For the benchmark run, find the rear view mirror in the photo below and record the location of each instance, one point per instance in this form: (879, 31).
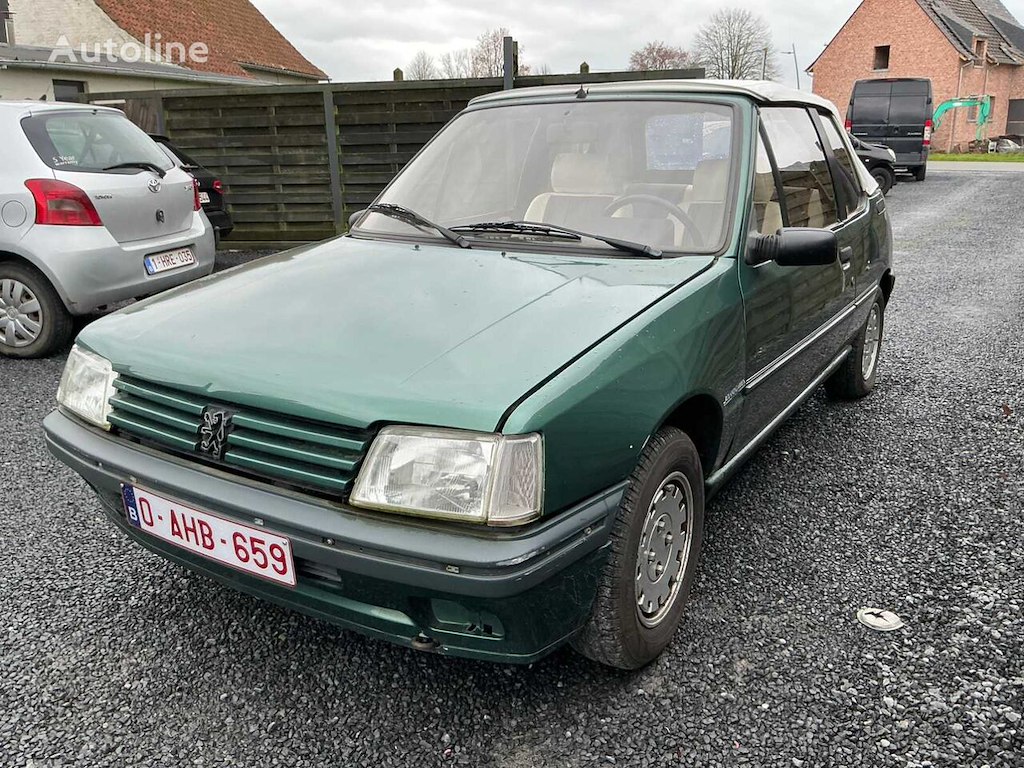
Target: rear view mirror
(796, 247)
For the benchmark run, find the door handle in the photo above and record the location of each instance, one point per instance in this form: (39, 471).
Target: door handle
(846, 257)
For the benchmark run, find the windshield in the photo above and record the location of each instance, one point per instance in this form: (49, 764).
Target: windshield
(92, 142)
(660, 173)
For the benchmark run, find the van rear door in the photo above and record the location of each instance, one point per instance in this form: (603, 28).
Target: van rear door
(869, 110)
(909, 110)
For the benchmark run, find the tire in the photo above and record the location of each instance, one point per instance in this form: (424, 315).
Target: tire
(921, 172)
(885, 178)
(619, 633)
(33, 319)
(857, 375)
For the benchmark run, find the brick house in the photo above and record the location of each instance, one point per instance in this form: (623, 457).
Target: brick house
(48, 48)
(966, 48)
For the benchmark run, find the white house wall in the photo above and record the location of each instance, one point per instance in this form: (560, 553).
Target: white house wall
(82, 22)
(19, 84)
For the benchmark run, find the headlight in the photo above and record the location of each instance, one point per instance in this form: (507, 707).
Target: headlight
(475, 478)
(891, 154)
(87, 386)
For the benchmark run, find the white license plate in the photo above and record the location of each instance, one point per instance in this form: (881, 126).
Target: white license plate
(251, 550)
(164, 262)
(204, 198)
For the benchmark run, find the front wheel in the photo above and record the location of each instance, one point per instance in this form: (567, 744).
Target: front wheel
(655, 546)
(856, 376)
(33, 319)
(885, 178)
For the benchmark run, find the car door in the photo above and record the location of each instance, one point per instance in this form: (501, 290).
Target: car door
(792, 331)
(859, 237)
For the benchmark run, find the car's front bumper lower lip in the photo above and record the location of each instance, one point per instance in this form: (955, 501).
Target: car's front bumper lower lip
(501, 595)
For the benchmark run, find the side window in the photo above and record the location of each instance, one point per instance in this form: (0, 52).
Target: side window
(810, 197)
(767, 211)
(848, 182)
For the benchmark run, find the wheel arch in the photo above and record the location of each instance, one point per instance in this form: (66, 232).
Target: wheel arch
(702, 418)
(9, 256)
(887, 284)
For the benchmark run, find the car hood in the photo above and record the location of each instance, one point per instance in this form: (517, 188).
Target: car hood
(355, 332)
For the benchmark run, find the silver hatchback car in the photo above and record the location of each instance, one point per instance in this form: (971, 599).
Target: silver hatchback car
(92, 213)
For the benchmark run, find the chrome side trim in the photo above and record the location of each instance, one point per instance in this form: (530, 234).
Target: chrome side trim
(773, 367)
(719, 477)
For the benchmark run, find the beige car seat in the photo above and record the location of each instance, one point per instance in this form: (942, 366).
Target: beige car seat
(582, 189)
(707, 201)
(767, 211)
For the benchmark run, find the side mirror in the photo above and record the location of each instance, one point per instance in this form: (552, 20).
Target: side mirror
(355, 216)
(795, 247)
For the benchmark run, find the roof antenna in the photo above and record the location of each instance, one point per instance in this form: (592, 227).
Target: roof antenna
(581, 93)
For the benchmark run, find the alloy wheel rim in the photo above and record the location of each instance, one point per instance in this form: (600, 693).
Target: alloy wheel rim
(21, 314)
(872, 341)
(664, 550)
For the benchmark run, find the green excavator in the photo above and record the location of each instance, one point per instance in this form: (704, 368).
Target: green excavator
(983, 105)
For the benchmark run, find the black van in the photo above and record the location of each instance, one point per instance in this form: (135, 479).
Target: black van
(897, 113)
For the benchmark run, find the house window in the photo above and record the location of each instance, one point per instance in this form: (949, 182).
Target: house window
(68, 90)
(882, 57)
(980, 51)
(5, 14)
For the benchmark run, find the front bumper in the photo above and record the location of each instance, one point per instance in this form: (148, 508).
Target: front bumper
(508, 596)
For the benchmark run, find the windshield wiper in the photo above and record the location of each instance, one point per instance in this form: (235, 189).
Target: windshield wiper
(553, 230)
(141, 165)
(411, 217)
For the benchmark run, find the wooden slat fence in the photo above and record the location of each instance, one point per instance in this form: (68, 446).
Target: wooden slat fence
(297, 161)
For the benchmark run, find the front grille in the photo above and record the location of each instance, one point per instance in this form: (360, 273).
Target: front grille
(307, 455)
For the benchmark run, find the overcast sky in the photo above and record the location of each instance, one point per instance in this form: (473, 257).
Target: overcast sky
(367, 40)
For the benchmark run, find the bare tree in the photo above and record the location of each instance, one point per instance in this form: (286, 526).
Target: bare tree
(489, 54)
(421, 67)
(544, 69)
(457, 65)
(736, 44)
(485, 59)
(658, 55)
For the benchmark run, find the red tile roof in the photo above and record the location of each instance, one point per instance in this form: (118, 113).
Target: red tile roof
(235, 31)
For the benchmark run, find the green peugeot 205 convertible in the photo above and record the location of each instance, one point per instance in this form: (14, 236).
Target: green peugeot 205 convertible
(485, 422)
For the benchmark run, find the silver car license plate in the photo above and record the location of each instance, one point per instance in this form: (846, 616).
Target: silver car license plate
(164, 262)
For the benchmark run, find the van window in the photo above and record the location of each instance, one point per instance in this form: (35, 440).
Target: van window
(91, 141)
(870, 103)
(810, 195)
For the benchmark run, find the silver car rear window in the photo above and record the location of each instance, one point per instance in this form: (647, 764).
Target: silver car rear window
(91, 142)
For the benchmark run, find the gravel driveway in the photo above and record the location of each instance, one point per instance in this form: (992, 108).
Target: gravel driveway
(910, 501)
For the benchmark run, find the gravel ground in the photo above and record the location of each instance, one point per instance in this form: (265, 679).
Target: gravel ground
(911, 501)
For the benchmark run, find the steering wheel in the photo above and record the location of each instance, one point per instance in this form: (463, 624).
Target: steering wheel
(689, 226)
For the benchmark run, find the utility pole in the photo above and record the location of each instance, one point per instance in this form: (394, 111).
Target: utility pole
(796, 63)
(764, 66)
